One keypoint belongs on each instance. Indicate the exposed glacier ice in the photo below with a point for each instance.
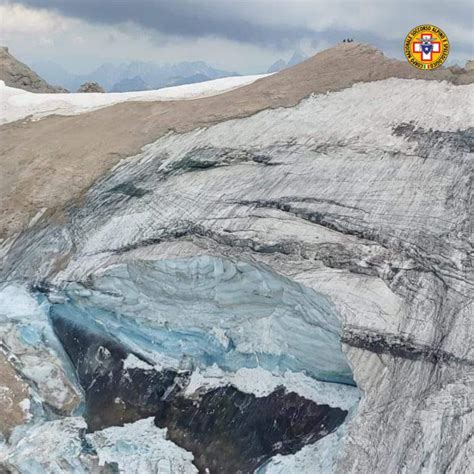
(261, 382)
(142, 448)
(233, 323)
(16, 303)
(27, 336)
(62, 446)
(133, 362)
(53, 447)
(173, 308)
(317, 458)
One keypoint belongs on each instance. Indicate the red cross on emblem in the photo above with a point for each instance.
(426, 47)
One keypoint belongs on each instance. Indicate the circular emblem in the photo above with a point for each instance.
(426, 47)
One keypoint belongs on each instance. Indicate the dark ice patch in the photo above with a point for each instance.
(113, 395)
(231, 431)
(129, 189)
(211, 157)
(428, 141)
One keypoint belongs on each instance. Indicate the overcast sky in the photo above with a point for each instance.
(238, 35)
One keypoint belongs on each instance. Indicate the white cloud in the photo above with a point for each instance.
(19, 20)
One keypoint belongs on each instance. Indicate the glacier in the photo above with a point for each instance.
(217, 327)
(27, 337)
(224, 323)
(212, 311)
(322, 248)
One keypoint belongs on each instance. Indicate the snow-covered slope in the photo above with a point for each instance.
(17, 104)
(301, 247)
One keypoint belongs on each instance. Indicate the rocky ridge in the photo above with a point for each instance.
(16, 74)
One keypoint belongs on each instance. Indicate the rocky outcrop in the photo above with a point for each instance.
(14, 399)
(16, 74)
(90, 87)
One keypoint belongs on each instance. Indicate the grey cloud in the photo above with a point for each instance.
(281, 24)
(183, 18)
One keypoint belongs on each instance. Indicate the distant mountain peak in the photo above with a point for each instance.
(134, 75)
(277, 66)
(130, 84)
(297, 57)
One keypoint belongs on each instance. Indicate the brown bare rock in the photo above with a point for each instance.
(469, 65)
(49, 162)
(16, 74)
(12, 392)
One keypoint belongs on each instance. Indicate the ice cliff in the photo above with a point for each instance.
(286, 263)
